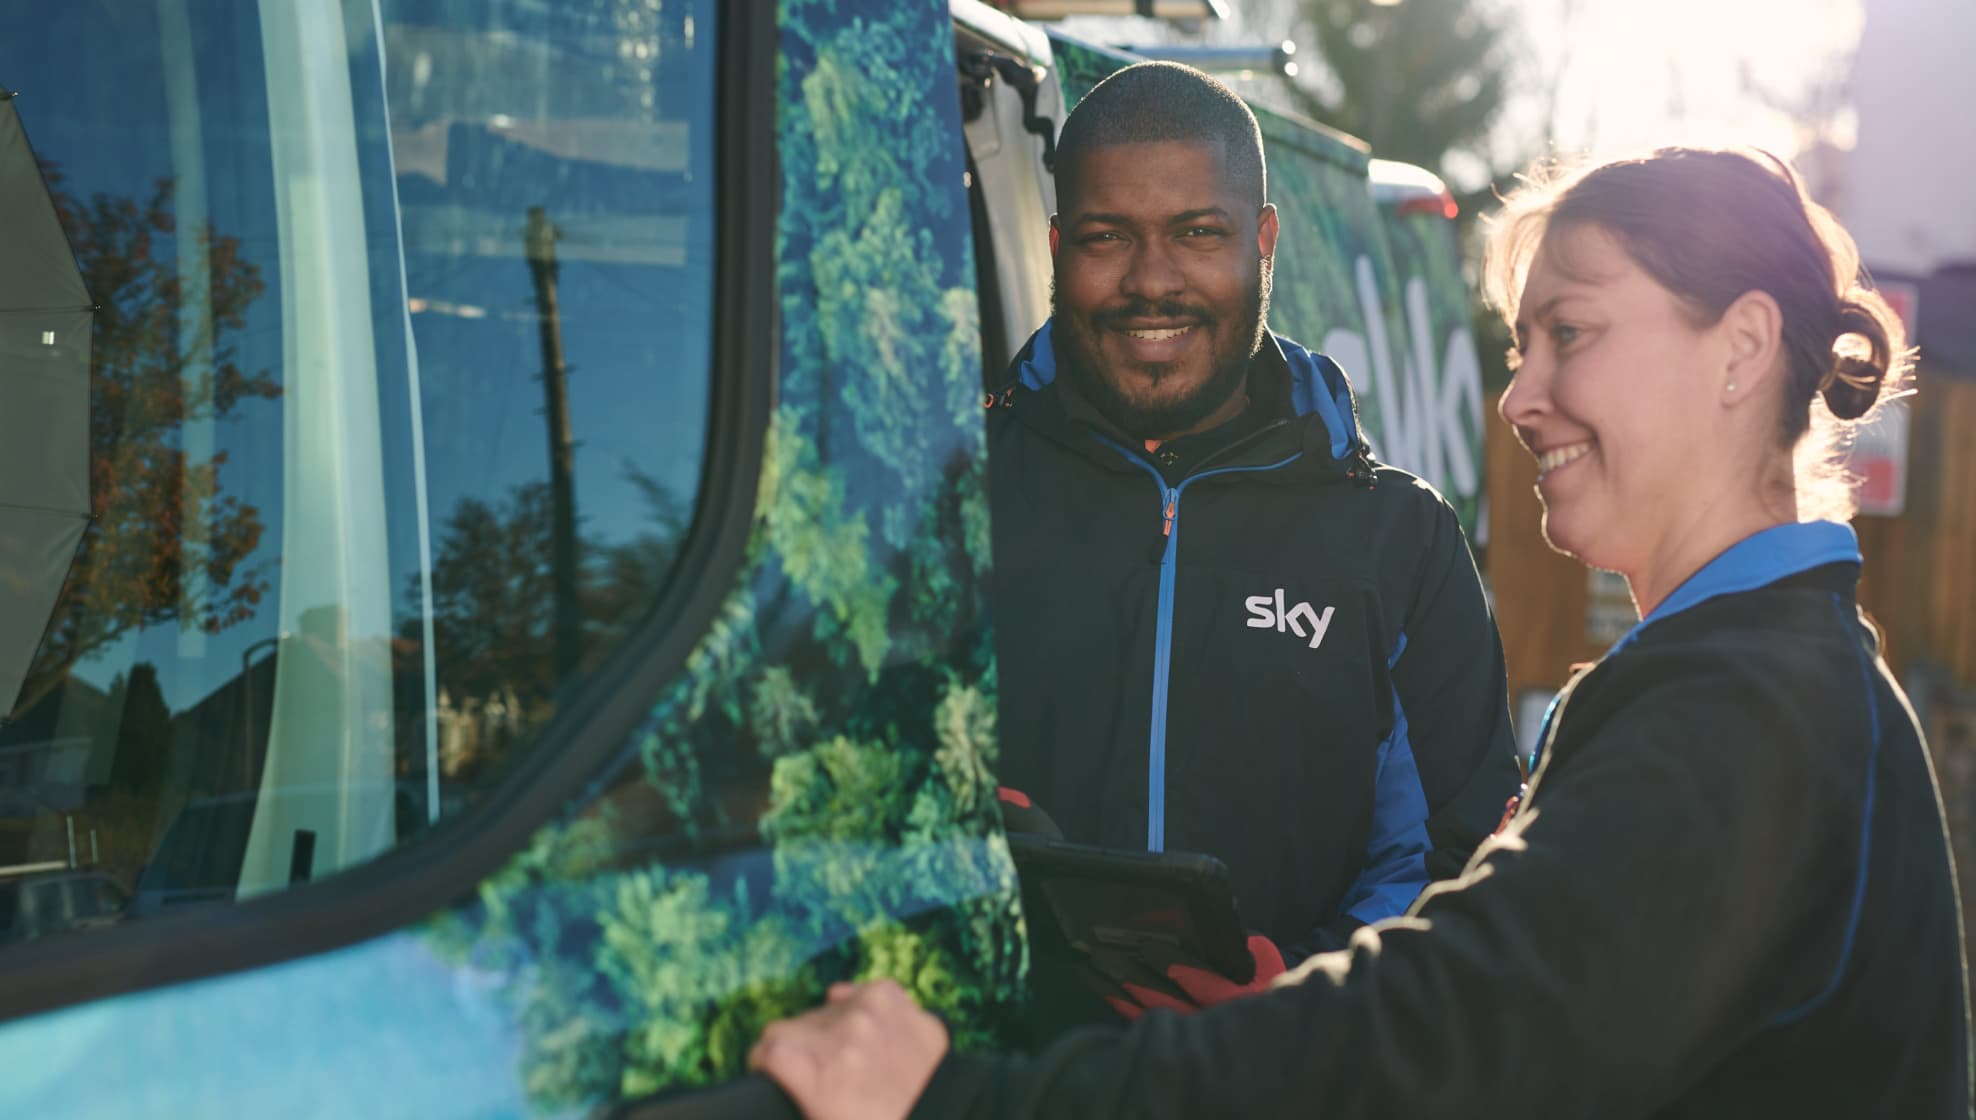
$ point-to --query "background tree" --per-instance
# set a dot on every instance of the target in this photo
(1422, 81)
(1821, 114)
(165, 542)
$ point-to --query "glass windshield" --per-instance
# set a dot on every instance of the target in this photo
(389, 426)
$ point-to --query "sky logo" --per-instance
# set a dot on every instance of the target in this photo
(1267, 612)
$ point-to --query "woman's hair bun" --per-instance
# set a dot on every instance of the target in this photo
(1855, 380)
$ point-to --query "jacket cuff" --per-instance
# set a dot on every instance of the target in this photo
(958, 1084)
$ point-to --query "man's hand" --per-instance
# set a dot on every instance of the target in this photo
(1203, 987)
(867, 1052)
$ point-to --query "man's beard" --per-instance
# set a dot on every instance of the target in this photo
(1079, 359)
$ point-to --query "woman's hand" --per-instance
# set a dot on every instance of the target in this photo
(867, 1052)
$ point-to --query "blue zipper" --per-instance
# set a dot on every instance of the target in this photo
(1162, 668)
(1163, 631)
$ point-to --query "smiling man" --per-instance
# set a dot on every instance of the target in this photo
(1162, 280)
(1221, 626)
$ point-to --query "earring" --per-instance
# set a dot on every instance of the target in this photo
(1729, 388)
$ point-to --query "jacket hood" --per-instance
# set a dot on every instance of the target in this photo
(1318, 388)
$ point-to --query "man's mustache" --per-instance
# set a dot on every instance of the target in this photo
(1119, 317)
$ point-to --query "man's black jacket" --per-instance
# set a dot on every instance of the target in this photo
(1728, 894)
(1278, 654)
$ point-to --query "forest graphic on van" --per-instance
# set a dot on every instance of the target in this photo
(824, 766)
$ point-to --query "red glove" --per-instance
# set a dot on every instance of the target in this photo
(1203, 987)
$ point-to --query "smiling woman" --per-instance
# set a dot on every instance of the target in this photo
(1609, 375)
(1681, 373)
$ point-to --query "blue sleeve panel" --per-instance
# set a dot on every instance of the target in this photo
(1396, 851)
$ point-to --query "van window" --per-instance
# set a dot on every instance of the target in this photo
(397, 397)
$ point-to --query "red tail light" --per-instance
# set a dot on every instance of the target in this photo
(1442, 205)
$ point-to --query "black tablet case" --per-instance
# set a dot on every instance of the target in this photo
(1124, 909)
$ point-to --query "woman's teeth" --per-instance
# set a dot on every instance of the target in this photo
(1559, 456)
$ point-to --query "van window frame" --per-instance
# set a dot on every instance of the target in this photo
(409, 884)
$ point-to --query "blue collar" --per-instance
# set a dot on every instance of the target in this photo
(1758, 560)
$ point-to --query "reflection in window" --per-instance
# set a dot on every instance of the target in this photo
(397, 410)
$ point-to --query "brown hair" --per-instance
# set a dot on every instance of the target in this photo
(1710, 226)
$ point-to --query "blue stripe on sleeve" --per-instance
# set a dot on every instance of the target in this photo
(1396, 851)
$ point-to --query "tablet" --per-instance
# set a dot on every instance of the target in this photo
(1151, 907)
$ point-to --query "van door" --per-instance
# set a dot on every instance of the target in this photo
(531, 631)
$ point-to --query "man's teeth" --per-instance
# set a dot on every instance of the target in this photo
(1160, 336)
(1559, 456)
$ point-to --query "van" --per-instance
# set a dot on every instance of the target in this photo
(537, 522)
(61, 901)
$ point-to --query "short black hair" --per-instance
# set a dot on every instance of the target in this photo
(1150, 102)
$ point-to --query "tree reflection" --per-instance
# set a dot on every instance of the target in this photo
(494, 612)
(165, 541)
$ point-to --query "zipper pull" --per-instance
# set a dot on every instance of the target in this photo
(1169, 509)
